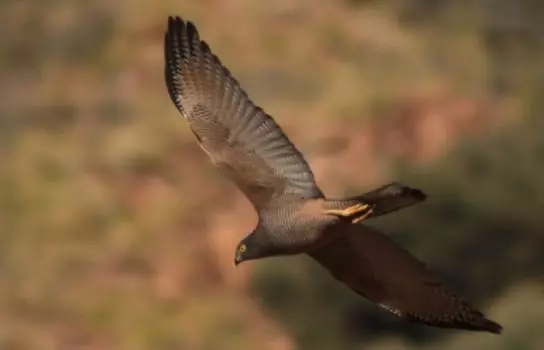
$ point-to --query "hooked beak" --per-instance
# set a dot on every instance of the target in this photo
(237, 260)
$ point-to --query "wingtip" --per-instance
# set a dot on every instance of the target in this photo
(474, 325)
(178, 22)
(173, 19)
(177, 26)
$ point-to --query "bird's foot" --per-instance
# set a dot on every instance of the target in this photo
(358, 212)
(364, 216)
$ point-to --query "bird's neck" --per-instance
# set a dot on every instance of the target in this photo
(263, 244)
(259, 237)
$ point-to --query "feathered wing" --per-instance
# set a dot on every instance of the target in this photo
(239, 137)
(374, 266)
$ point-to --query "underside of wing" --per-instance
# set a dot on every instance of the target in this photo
(373, 265)
(239, 137)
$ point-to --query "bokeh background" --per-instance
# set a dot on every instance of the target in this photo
(117, 233)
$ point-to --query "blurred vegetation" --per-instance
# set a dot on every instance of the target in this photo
(107, 235)
(481, 229)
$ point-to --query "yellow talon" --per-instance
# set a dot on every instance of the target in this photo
(362, 217)
(354, 209)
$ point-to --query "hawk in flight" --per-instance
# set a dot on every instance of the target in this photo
(295, 217)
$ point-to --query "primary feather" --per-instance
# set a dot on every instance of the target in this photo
(374, 266)
(239, 137)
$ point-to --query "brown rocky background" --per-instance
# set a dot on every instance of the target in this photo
(117, 233)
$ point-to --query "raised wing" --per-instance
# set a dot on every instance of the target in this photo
(374, 266)
(239, 137)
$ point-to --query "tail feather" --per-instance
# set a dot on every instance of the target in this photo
(380, 201)
(490, 326)
(392, 197)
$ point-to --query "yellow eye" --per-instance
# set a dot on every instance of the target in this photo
(242, 249)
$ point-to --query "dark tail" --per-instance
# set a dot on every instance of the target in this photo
(380, 201)
(491, 326)
(392, 197)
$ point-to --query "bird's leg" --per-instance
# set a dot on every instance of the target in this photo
(358, 211)
(364, 216)
(347, 212)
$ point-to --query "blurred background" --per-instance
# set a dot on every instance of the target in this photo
(116, 232)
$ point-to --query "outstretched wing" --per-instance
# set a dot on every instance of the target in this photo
(374, 266)
(239, 137)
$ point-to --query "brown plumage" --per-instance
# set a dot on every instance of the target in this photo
(374, 266)
(295, 217)
(241, 139)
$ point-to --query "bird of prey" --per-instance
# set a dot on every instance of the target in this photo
(295, 217)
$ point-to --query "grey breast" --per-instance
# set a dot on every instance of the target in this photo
(297, 227)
